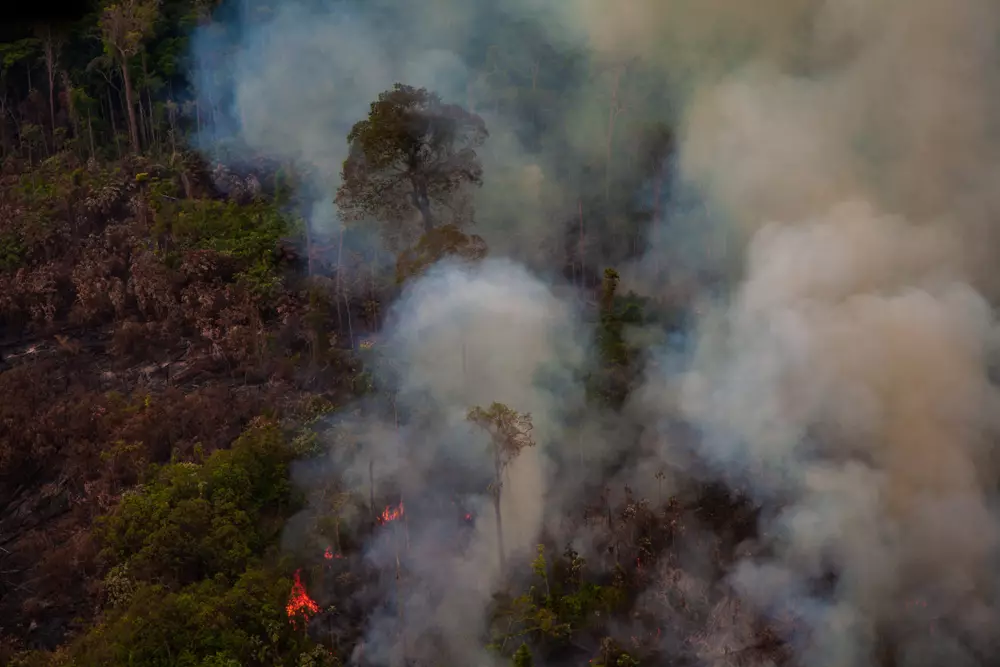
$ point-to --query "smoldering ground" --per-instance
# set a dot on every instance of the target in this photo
(457, 337)
(844, 154)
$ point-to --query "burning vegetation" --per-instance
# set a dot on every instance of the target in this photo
(300, 607)
(674, 326)
(391, 513)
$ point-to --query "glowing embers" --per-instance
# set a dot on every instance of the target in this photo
(330, 555)
(300, 606)
(391, 513)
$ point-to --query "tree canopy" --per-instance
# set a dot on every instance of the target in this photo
(413, 154)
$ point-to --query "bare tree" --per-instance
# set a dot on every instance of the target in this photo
(510, 432)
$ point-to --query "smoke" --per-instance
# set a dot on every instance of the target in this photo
(843, 158)
(458, 337)
(846, 382)
(290, 81)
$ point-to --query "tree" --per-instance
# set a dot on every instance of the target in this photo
(52, 43)
(612, 378)
(12, 54)
(522, 657)
(510, 432)
(412, 153)
(124, 28)
(435, 245)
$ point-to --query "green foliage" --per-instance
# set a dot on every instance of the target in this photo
(212, 622)
(435, 245)
(125, 25)
(612, 655)
(12, 251)
(189, 586)
(15, 53)
(564, 605)
(248, 233)
(412, 152)
(611, 380)
(510, 430)
(522, 657)
(198, 520)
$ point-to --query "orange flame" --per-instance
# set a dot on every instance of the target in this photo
(300, 605)
(391, 514)
(329, 555)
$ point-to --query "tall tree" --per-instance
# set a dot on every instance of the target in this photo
(124, 28)
(510, 432)
(52, 43)
(412, 153)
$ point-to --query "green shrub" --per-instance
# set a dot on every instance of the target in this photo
(249, 232)
(212, 622)
(192, 584)
(199, 520)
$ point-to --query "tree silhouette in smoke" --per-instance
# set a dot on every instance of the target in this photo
(510, 432)
(412, 153)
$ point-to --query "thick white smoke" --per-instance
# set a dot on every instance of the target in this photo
(846, 381)
(457, 338)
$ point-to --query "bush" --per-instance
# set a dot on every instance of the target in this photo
(212, 622)
(249, 232)
(192, 583)
(201, 520)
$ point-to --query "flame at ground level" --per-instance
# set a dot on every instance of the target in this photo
(300, 606)
(391, 514)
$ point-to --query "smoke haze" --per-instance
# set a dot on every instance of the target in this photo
(844, 158)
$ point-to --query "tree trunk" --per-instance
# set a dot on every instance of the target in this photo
(340, 271)
(350, 326)
(583, 265)
(141, 115)
(114, 126)
(133, 125)
(90, 133)
(151, 122)
(501, 552)
(4, 138)
(50, 66)
(423, 204)
(309, 249)
(613, 110)
(373, 295)
(371, 488)
(656, 218)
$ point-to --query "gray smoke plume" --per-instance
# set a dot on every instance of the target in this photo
(845, 155)
(459, 337)
(846, 382)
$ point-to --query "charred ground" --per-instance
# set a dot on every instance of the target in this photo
(216, 448)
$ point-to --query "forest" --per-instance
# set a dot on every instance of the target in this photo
(417, 334)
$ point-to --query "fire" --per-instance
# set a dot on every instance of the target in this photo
(300, 605)
(391, 514)
(329, 555)
(468, 516)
